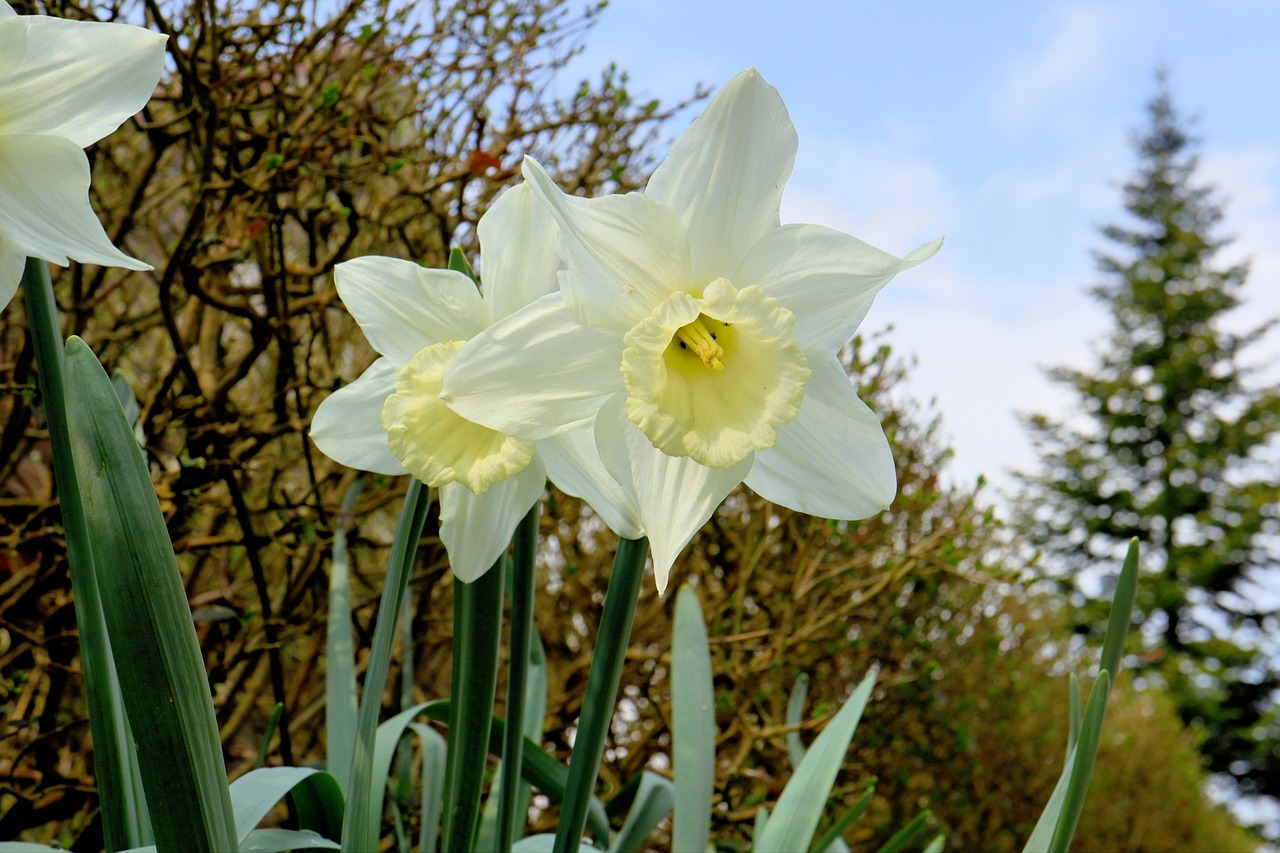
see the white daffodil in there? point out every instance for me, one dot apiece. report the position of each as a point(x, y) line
point(392, 421)
point(63, 85)
point(702, 334)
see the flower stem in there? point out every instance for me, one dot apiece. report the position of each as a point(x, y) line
point(602, 690)
point(360, 826)
point(477, 631)
point(522, 594)
point(124, 823)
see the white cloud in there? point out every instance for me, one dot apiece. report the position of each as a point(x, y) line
point(880, 193)
point(1082, 42)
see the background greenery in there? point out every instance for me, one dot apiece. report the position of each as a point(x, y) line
point(278, 144)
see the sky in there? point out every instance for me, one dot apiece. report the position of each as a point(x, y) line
point(1006, 127)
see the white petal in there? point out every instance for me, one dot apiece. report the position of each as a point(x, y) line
point(475, 529)
point(833, 460)
point(80, 79)
point(574, 465)
point(13, 43)
point(348, 425)
point(676, 495)
point(402, 307)
point(627, 253)
point(6, 11)
point(534, 373)
point(11, 267)
point(519, 251)
point(828, 279)
point(726, 173)
point(44, 203)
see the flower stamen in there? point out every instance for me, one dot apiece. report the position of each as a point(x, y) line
point(701, 341)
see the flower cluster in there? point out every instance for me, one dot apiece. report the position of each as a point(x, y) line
point(63, 85)
point(669, 346)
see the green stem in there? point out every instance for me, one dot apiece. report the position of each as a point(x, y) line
point(602, 690)
point(522, 595)
point(123, 825)
point(477, 630)
point(360, 825)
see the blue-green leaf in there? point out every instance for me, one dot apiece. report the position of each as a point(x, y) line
point(693, 723)
point(795, 715)
point(652, 803)
point(148, 619)
point(795, 816)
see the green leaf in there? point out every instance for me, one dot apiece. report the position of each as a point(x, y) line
point(602, 690)
point(906, 836)
point(1073, 725)
point(148, 619)
point(1086, 752)
point(315, 792)
point(652, 803)
point(693, 724)
point(511, 817)
point(757, 831)
point(477, 632)
point(340, 656)
point(281, 840)
point(795, 715)
point(1042, 835)
point(125, 820)
point(795, 816)
point(539, 768)
point(264, 742)
point(1121, 612)
point(432, 801)
point(843, 822)
point(361, 823)
point(545, 843)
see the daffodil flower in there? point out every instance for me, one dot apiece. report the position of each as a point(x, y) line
point(701, 334)
point(63, 85)
point(392, 421)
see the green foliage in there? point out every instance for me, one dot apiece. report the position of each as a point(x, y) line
point(1173, 448)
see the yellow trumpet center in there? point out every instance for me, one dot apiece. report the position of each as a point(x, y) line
point(701, 341)
point(712, 377)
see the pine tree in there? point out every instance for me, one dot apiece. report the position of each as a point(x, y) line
point(1172, 443)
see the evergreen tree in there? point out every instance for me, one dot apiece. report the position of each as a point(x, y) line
point(1172, 444)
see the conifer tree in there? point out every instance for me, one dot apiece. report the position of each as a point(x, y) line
point(1172, 443)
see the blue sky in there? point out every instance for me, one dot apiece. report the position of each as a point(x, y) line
point(1005, 127)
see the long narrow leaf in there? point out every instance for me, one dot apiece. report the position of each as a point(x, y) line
point(693, 722)
point(149, 621)
point(523, 568)
point(362, 821)
point(477, 626)
point(845, 820)
point(432, 801)
point(906, 836)
point(1121, 612)
point(653, 802)
point(795, 714)
point(1086, 752)
point(316, 792)
point(602, 690)
point(545, 843)
point(123, 804)
point(282, 840)
point(340, 656)
point(1073, 722)
point(544, 772)
point(795, 816)
point(1042, 835)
